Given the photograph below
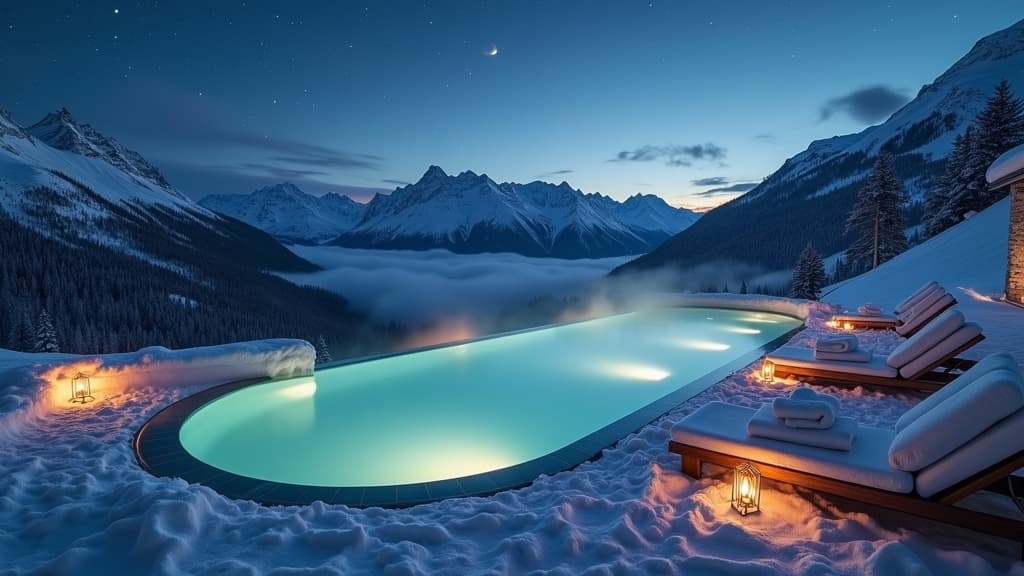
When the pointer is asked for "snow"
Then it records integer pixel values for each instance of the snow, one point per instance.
(1010, 162)
(74, 500)
(969, 261)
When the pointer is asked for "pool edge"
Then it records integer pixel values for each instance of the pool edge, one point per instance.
(158, 450)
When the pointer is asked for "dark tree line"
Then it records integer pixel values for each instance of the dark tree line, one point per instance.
(962, 189)
(83, 297)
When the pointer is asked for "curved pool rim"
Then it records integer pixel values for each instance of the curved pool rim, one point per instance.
(158, 449)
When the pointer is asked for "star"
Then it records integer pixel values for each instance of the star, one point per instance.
(117, 11)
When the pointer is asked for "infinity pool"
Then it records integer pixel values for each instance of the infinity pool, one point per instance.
(464, 410)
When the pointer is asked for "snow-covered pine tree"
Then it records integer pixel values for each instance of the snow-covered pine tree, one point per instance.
(323, 355)
(940, 210)
(46, 336)
(997, 128)
(808, 275)
(877, 222)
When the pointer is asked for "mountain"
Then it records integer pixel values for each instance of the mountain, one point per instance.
(288, 213)
(471, 213)
(95, 235)
(812, 192)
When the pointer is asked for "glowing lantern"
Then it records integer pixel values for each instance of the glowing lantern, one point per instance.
(81, 389)
(768, 372)
(833, 323)
(847, 325)
(746, 489)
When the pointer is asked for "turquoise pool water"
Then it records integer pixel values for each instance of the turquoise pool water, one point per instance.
(472, 408)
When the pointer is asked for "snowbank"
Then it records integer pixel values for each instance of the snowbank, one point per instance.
(73, 501)
(45, 379)
(969, 261)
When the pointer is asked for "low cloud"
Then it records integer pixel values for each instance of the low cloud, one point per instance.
(420, 287)
(198, 181)
(711, 181)
(737, 188)
(869, 105)
(673, 155)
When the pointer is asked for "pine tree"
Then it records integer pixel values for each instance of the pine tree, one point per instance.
(743, 287)
(21, 338)
(45, 336)
(876, 221)
(808, 275)
(940, 210)
(998, 127)
(323, 355)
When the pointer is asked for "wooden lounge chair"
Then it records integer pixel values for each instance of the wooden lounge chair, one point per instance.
(956, 442)
(925, 361)
(906, 324)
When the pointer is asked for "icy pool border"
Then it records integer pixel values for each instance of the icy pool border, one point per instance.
(159, 451)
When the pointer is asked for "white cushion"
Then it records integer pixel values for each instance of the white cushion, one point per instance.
(722, 428)
(941, 351)
(929, 336)
(914, 298)
(919, 317)
(956, 420)
(997, 361)
(800, 357)
(921, 304)
(994, 445)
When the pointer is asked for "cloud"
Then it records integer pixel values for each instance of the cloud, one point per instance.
(555, 173)
(672, 155)
(764, 137)
(395, 182)
(710, 181)
(433, 285)
(278, 171)
(868, 105)
(739, 187)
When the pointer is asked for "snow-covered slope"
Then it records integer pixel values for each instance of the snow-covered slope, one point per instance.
(471, 213)
(288, 213)
(813, 191)
(62, 178)
(968, 260)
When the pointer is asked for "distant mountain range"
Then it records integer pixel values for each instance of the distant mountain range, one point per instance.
(809, 197)
(289, 214)
(468, 213)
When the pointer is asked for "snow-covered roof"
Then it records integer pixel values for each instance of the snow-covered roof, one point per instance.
(1007, 168)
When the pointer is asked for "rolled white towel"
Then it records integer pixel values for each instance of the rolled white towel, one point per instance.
(838, 343)
(869, 310)
(838, 437)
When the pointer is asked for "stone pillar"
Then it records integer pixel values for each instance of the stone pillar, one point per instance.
(1015, 256)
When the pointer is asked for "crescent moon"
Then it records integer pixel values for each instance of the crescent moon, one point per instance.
(493, 51)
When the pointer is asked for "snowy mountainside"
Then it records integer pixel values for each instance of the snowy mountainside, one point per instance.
(62, 178)
(472, 213)
(969, 261)
(289, 214)
(813, 190)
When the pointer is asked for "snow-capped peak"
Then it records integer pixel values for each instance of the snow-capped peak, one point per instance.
(61, 130)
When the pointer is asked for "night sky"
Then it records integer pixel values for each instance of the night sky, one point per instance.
(673, 98)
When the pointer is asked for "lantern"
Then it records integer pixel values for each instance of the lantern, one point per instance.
(833, 323)
(81, 389)
(746, 489)
(847, 325)
(768, 372)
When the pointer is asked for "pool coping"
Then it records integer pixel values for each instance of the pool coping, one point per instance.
(158, 449)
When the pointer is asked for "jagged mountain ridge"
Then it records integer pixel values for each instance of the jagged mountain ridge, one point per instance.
(62, 178)
(813, 191)
(471, 213)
